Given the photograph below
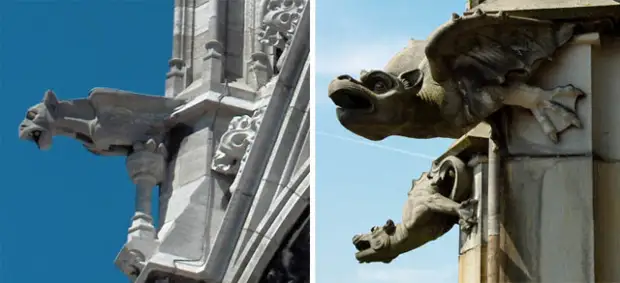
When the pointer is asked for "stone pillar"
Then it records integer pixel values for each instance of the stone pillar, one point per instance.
(606, 144)
(175, 78)
(547, 225)
(146, 168)
(212, 66)
(472, 247)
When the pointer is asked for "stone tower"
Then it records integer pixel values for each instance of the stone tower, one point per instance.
(228, 146)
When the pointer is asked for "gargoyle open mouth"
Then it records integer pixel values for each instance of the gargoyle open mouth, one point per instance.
(35, 136)
(360, 243)
(349, 94)
(38, 135)
(351, 100)
(373, 247)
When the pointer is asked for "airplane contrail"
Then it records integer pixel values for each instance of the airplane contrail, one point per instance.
(376, 145)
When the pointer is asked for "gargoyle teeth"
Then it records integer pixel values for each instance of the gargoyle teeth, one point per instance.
(455, 17)
(479, 13)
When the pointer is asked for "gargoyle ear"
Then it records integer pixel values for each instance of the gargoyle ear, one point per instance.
(411, 78)
(50, 100)
(363, 73)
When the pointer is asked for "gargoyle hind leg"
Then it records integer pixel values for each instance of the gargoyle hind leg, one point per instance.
(465, 210)
(554, 109)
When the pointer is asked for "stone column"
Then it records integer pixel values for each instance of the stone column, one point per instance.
(213, 66)
(547, 225)
(472, 247)
(175, 78)
(146, 168)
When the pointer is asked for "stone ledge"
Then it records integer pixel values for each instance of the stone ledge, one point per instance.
(474, 142)
(551, 9)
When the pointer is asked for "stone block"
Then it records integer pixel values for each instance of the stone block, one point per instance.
(571, 65)
(547, 231)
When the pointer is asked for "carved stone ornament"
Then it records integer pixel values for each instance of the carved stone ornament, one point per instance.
(468, 68)
(280, 22)
(108, 122)
(429, 213)
(261, 70)
(235, 142)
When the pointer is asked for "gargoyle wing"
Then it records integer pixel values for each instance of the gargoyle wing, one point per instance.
(483, 49)
(120, 108)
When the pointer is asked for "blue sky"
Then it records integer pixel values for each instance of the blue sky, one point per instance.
(359, 183)
(65, 212)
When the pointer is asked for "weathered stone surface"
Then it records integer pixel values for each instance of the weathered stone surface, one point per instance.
(605, 115)
(606, 224)
(525, 137)
(548, 221)
(553, 8)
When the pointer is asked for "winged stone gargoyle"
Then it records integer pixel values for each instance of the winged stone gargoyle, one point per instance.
(431, 210)
(469, 68)
(108, 122)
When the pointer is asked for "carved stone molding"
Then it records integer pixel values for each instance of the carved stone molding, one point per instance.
(235, 142)
(260, 69)
(280, 22)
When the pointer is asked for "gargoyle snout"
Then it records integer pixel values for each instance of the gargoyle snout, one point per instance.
(361, 243)
(30, 131)
(349, 94)
(345, 77)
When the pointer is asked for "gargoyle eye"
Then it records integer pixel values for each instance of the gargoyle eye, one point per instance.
(30, 115)
(379, 87)
(378, 83)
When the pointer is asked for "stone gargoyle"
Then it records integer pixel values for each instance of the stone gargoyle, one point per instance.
(467, 69)
(436, 201)
(108, 122)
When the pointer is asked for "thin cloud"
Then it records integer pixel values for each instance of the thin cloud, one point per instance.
(386, 273)
(376, 145)
(352, 56)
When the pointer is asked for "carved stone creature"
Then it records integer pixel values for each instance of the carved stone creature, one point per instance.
(235, 142)
(108, 122)
(431, 211)
(467, 69)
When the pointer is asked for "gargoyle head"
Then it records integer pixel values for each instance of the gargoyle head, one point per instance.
(377, 105)
(38, 126)
(375, 246)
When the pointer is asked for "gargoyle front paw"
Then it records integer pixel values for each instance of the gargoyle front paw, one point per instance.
(467, 214)
(553, 116)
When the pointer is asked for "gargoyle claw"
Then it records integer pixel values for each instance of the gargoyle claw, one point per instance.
(467, 214)
(553, 116)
